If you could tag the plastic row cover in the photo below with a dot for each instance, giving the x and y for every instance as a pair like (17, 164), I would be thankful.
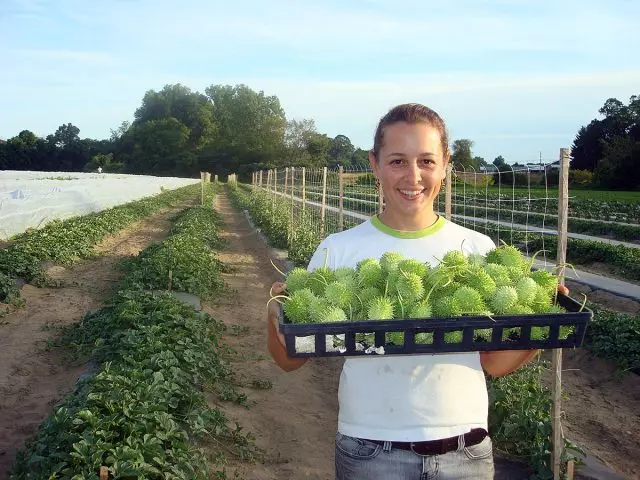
(32, 199)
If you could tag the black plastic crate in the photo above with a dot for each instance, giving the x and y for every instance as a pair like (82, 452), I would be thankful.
(317, 336)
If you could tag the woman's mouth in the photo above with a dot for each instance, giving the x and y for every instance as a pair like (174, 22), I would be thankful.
(410, 194)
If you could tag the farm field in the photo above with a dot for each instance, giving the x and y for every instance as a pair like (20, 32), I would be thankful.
(287, 421)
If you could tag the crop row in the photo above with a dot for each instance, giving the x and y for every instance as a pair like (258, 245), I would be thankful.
(143, 410)
(65, 241)
(508, 199)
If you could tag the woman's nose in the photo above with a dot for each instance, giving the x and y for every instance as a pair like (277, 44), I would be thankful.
(414, 173)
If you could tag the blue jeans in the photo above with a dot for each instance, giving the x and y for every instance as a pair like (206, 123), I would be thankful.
(358, 459)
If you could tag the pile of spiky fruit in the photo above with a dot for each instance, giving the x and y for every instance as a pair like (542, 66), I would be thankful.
(394, 287)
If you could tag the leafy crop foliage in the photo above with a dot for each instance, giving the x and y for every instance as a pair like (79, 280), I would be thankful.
(274, 219)
(616, 337)
(187, 253)
(142, 412)
(65, 241)
(519, 419)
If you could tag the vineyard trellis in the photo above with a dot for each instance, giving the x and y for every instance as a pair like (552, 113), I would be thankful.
(501, 204)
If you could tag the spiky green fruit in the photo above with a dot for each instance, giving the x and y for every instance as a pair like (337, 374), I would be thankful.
(453, 337)
(439, 277)
(476, 259)
(421, 309)
(519, 309)
(527, 289)
(454, 258)
(509, 256)
(448, 290)
(370, 273)
(503, 299)
(396, 338)
(423, 338)
(480, 280)
(297, 279)
(409, 287)
(542, 301)
(331, 314)
(389, 261)
(498, 273)
(365, 295)
(296, 307)
(546, 280)
(380, 308)
(347, 276)
(446, 307)
(319, 279)
(339, 294)
(413, 266)
(469, 300)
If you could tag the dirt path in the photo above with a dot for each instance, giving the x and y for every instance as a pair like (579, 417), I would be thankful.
(602, 412)
(295, 420)
(32, 379)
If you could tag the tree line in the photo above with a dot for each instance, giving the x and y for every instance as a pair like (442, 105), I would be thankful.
(177, 131)
(227, 129)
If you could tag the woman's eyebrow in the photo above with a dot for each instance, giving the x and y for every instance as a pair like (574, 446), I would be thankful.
(423, 154)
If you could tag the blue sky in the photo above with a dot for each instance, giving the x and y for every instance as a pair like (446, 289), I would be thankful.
(519, 78)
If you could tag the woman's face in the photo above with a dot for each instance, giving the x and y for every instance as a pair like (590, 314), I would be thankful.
(410, 167)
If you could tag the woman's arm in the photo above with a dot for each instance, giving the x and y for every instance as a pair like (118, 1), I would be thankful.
(504, 362)
(275, 340)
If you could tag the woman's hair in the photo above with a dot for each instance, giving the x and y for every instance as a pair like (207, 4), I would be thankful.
(410, 113)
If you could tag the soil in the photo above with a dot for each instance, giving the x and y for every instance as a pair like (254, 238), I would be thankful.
(33, 378)
(295, 420)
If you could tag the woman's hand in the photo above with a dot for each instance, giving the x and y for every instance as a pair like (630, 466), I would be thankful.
(276, 343)
(273, 314)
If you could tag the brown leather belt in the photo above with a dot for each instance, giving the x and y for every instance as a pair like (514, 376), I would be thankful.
(439, 447)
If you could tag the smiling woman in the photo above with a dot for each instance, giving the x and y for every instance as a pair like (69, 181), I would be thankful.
(408, 416)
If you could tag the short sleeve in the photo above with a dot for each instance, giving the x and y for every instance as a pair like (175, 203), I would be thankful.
(322, 254)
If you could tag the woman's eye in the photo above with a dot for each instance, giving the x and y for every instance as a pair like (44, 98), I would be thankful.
(396, 161)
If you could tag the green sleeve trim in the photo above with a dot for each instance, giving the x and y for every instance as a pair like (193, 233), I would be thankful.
(430, 230)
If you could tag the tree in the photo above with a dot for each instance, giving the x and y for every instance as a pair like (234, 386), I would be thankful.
(461, 157)
(192, 109)
(161, 147)
(341, 151)
(479, 161)
(66, 135)
(500, 162)
(251, 121)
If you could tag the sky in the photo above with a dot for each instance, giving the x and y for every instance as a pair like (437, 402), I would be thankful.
(518, 77)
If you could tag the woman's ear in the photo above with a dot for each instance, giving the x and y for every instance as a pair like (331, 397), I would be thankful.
(373, 162)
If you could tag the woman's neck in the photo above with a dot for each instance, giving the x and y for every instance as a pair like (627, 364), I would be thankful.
(408, 224)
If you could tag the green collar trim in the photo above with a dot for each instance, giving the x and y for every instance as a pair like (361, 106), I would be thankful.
(430, 230)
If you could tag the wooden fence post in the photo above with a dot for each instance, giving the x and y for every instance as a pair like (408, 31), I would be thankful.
(556, 359)
(293, 179)
(286, 180)
(324, 200)
(304, 192)
(341, 183)
(447, 192)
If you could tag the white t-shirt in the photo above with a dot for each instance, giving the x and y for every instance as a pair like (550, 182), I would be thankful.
(407, 397)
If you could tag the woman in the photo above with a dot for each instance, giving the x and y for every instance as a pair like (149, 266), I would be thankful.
(408, 416)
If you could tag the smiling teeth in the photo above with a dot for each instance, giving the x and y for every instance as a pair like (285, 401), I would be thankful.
(411, 193)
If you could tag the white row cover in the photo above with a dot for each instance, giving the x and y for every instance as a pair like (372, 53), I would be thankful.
(32, 199)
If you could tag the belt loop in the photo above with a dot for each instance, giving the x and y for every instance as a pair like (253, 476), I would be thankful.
(387, 446)
(461, 443)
